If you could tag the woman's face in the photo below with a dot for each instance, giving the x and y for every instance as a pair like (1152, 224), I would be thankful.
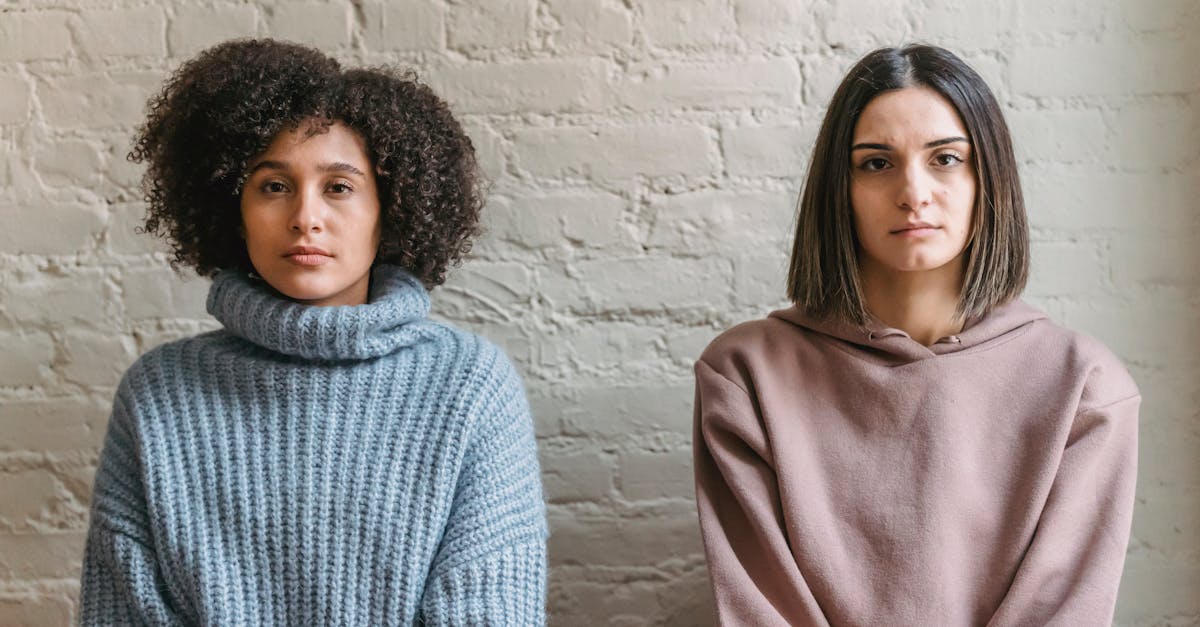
(912, 182)
(310, 216)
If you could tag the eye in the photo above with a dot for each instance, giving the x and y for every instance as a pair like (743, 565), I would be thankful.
(874, 164)
(274, 187)
(947, 159)
(339, 188)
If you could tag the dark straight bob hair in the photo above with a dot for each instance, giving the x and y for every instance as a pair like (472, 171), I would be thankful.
(823, 279)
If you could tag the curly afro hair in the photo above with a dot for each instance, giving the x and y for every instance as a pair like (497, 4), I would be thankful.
(223, 107)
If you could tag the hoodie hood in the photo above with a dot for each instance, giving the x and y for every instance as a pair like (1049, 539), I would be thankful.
(894, 346)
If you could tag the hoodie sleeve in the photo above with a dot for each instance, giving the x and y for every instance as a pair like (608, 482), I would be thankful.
(755, 579)
(121, 583)
(1071, 570)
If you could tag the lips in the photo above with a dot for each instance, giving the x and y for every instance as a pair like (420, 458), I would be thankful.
(307, 255)
(915, 228)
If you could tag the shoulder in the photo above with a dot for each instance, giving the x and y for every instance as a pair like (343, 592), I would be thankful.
(478, 368)
(170, 363)
(1102, 378)
(742, 348)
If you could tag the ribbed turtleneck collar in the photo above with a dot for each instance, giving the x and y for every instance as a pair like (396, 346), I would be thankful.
(250, 309)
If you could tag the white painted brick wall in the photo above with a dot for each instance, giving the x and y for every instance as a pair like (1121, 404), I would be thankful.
(644, 159)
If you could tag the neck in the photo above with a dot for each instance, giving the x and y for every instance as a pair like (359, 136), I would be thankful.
(923, 304)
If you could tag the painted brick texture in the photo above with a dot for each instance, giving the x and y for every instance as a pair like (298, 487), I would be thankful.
(644, 159)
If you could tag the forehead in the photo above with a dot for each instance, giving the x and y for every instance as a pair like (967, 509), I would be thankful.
(337, 141)
(919, 114)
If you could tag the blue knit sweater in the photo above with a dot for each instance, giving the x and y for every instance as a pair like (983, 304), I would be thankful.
(318, 466)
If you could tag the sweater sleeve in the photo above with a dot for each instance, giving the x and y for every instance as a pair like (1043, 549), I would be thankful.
(490, 567)
(755, 578)
(1070, 572)
(121, 582)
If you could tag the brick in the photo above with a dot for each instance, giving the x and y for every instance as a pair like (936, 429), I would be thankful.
(601, 349)
(688, 23)
(27, 358)
(768, 150)
(487, 288)
(590, 25)
(524, 86)
(83, 297)
(34, 610)
(490, 24)
(31, 36)
(578, 476)
(1109, 321)
(42, 556)
(197, 27)
(97, 100)
(1059, 136)
(768, 23)
(123, 234)
(761, 280)
(69, 163)
(721, 221)
(1071, 71)
(136, 32)
(684, 344)
(1079, 199)
(863, 25)
(15, 97)
(586, 219)
(744, 83)
(965, 26)
(822, 75)
(153, 333)
(1063, 269)
(1173, 465)
(323, 26)
(94, 358)
(661, 149)
(1170, 260)
(1167, 518)
(53, 424)
(1064, 16)
(29, 497)
(161, 293)
(607, 285)
(119, 170)
(1155, 134)
(1153, 586)
(669, 534)
(647, 475)
(509, 336)
(405, 25)
(50, 228)
(489, 149)
(626, 410)
(1159, 16)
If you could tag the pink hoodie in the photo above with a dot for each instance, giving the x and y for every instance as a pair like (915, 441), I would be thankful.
(853, 476)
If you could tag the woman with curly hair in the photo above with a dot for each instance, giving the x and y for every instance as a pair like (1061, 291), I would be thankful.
(909, 443)
(331, 455)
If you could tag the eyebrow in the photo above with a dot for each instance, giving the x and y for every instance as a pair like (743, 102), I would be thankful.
(933, 144)
(336, 166)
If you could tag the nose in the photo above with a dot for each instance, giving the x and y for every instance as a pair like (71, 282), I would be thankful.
(308, 214)
(916, 189)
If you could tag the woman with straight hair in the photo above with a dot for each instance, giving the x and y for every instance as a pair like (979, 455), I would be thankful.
(910, 443)
(330, 455)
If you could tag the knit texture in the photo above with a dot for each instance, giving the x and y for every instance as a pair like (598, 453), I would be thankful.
(318, 466)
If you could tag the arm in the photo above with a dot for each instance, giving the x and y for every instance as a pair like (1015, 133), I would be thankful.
(1071, 570)
(755, 578)
(491, 565)
(121, 582)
